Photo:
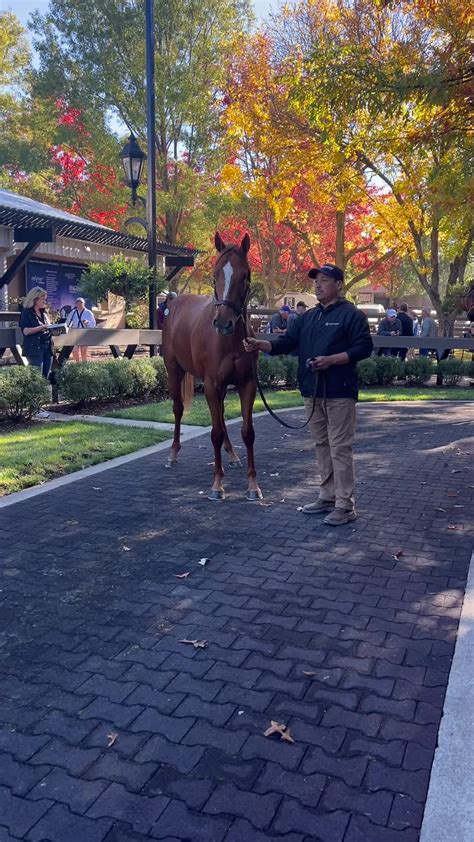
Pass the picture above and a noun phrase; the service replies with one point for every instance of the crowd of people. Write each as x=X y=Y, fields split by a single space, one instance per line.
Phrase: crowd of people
x=401 y=323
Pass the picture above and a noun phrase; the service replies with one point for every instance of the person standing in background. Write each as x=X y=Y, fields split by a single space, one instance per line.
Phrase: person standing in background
x=34 y=324
x=407 y=326
x=428 y=329
x=79 y=318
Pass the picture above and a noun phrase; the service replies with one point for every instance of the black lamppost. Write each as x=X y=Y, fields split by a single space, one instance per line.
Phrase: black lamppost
x=132 y=159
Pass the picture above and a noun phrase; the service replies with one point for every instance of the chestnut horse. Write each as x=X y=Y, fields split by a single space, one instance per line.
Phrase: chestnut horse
x=202 y=337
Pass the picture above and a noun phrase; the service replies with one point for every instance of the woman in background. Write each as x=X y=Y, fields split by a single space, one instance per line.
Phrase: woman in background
x=34 y=324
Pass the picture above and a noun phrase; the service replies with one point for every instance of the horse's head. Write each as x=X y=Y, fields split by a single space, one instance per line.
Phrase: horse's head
x=231 y=284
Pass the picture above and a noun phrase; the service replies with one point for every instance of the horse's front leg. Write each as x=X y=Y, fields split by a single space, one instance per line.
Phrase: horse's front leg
x=247 y=394
x=214 y=401
x=234 y=461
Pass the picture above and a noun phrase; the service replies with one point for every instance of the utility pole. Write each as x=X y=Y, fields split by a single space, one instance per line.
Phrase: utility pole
x=151 y=155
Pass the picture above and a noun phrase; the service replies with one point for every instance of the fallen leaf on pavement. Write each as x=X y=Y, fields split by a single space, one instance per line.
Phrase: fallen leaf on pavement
x=198 y=644
x=452 y=526
x=126 y=549
x=111 y=739
x=456 y=471
x=397 y=555
x=278 y=728
x=203 y=562
x=453 y=493
x=439 y=509
x=458 y=506
x=275 y=475
x=181 y=575
x=308 y=673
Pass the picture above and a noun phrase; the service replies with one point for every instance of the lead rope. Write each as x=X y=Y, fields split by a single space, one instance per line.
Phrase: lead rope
x=264 y=400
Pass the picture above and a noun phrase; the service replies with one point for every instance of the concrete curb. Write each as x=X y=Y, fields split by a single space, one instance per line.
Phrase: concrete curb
x=449 y=810
x=122 y=422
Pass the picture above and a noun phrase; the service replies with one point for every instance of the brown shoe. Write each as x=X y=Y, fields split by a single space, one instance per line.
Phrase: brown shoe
x=318 y=507
x=339 y=517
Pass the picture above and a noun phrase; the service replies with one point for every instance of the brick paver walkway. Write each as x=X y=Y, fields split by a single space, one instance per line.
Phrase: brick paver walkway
x=114 y=730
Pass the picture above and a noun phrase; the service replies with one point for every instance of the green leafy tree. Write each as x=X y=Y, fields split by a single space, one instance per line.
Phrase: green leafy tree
x=121 y=276
x=92 y=53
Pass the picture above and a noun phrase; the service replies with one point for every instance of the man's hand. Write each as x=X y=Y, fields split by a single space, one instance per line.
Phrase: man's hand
x=321 y=363
x=252 y=344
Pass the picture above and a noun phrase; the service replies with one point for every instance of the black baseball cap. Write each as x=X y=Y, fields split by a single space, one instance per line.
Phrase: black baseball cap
x=327 y=269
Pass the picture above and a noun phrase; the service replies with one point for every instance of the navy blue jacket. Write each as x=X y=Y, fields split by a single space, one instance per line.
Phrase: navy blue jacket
x=321 y=332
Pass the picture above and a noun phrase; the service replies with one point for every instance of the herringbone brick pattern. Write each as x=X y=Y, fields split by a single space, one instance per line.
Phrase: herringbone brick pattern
x=112 y=730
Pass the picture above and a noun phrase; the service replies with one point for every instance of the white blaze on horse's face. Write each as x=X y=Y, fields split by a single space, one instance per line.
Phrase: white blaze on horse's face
x=228 y=271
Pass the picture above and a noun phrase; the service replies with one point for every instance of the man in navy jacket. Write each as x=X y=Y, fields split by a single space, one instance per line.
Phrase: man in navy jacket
x=330 y=339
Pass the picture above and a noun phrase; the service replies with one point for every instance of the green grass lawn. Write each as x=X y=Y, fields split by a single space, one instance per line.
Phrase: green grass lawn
x=198 y=412
x=35 y=453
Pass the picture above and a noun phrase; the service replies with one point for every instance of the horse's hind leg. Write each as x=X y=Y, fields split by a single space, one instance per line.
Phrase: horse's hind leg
x=175 y=380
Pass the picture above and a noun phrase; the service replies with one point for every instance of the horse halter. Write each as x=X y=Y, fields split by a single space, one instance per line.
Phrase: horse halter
x=219 y=302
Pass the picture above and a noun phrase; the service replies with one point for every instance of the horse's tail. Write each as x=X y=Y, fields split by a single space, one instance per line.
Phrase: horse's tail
x=187 y=390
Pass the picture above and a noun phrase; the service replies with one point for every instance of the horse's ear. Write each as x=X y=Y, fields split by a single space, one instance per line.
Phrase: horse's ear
x=245 y=244
x=219 y=242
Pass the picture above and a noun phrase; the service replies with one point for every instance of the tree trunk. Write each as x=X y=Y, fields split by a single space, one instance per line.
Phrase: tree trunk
x=340 y=233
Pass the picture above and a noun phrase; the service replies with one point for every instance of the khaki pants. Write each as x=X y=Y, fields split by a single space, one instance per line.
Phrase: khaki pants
x=332 y=430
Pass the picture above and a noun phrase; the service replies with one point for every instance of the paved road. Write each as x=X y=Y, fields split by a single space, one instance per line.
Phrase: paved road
x=114 y=730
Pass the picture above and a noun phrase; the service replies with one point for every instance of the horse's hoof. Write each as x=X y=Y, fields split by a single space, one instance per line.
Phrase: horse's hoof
x=254 y=494
x=171 y=463
x=236 y=464
x=216 y=495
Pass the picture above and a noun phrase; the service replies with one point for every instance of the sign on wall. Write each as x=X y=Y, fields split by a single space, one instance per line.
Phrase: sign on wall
x=62 y=281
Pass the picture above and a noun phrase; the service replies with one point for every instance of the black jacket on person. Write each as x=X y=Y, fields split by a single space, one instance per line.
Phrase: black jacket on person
x=34 y=343
x=321 y=332
x=406 y=323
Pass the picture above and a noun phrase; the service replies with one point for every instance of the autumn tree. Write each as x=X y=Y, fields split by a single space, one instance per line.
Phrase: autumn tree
x=383 y=87
x=300 y=210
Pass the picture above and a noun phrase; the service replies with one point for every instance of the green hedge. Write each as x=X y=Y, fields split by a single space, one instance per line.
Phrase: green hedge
x=82 y=383
x=23 y=391
x=375 y=371
x=452 y=371
x=418 y=371
x=379 y=371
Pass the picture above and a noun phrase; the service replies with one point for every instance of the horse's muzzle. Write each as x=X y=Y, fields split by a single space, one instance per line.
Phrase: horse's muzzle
x=223 y=328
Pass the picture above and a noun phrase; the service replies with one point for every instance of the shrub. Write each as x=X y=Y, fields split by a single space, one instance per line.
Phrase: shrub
x=160 y=389
x=143 y=377
x=469 y=368
x=290 y=365
x=271 y=371
x=451 y=371
x=120 y=377
x=84 y=382
x=367 y=372
x=388 y=369
x=23 y=391
x=111 y=380
x=418 y=371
